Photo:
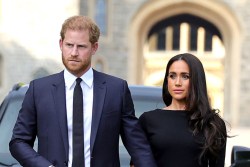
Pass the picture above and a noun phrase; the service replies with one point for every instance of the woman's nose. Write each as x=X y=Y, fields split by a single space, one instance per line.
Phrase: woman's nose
x=178 y=81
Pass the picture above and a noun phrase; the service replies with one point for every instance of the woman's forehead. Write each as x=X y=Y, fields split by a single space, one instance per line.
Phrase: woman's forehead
x=179 y=66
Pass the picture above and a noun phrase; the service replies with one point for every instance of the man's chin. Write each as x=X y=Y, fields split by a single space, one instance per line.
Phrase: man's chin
x=78 y=72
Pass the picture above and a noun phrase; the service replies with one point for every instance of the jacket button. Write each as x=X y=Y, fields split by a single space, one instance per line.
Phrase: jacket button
x=66 y=163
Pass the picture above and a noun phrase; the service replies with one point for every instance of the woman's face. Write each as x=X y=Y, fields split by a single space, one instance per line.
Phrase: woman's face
x=178 y=81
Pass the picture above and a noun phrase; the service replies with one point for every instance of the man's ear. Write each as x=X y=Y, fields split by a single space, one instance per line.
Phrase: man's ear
x=94 y=47
x=60 y=43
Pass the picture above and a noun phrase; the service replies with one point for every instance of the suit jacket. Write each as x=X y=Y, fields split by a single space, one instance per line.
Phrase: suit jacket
x=43 y=115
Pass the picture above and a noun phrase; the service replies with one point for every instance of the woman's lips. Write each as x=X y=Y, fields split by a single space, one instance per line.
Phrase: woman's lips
x=178 y=91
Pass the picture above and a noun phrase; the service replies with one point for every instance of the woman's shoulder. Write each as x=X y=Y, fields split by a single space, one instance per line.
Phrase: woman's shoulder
x=150 y=116
x=163 y=112
x=150 y=113
x=159 y=114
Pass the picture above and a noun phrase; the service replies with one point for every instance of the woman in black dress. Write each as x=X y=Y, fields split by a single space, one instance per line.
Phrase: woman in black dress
x=187 y=132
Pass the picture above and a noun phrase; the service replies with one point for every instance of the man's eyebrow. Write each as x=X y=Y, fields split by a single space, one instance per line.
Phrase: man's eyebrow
x=81 y=44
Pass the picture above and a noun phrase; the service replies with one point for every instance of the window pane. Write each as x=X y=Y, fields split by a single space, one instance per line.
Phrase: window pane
x=208 y=41
x=176 y=37
x=161 y=43
x=101 y=15
x=193 y=43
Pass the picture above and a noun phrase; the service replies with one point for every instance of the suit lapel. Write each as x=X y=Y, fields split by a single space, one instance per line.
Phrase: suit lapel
x=59 y=95
x=98 y=101
x=58 y=92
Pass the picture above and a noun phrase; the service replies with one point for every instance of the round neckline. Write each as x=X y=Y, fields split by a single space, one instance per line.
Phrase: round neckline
x=173 y=110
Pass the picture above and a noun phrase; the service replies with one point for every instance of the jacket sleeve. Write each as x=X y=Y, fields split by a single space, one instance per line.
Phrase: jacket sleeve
x=132 y=134
x=24 y=134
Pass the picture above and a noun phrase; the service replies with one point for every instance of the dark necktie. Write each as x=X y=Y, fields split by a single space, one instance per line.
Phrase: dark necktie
x=78 y=139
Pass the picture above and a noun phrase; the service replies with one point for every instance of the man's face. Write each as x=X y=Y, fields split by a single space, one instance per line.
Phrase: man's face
x=77 y=51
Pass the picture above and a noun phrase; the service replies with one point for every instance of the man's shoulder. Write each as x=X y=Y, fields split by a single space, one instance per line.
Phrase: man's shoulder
x=53 y=78
x=106 y=76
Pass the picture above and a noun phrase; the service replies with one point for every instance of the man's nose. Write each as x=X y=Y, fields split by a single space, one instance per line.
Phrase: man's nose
x=74 y=51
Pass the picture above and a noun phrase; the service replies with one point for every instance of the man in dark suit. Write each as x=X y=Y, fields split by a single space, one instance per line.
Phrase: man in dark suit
x=47 y=110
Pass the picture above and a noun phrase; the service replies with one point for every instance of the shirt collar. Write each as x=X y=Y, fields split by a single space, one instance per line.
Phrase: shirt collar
x=86 y=77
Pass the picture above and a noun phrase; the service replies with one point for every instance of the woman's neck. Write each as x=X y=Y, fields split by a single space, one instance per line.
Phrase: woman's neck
x=176 y=106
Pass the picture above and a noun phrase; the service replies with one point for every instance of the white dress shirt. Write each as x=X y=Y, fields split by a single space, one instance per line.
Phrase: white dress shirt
x=87 y=88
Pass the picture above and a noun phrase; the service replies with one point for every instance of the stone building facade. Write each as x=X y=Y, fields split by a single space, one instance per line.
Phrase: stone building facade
x=133 y=45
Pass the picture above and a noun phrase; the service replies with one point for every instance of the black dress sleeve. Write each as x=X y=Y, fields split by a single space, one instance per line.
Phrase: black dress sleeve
x=142 y=123
x=219 y=161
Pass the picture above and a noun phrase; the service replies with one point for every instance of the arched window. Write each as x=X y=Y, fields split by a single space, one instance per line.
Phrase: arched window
x=101 y=15
x=184 y=32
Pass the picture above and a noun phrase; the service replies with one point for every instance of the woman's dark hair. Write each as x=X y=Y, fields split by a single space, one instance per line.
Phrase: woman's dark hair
x=203 y=120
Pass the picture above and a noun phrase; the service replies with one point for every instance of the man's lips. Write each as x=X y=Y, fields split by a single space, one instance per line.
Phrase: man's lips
x=73 y=61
